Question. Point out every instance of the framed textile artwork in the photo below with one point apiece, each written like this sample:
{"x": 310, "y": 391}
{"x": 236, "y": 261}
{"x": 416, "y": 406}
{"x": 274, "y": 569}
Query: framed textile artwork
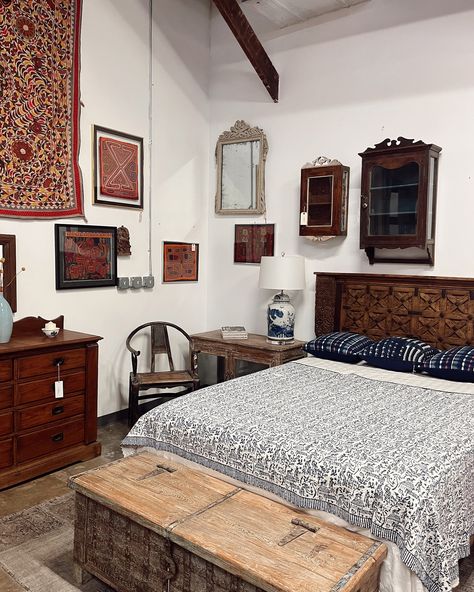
{"x": 118, "y": 168}
{"x": 252, "y": 241}
{"x": 39, "y": 109}
{"x": 180, "y": 262}
{"x": 86, "y": 256}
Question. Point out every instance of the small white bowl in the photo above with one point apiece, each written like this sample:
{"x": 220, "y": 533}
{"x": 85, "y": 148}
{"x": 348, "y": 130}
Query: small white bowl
{"x": 51, "y": 332}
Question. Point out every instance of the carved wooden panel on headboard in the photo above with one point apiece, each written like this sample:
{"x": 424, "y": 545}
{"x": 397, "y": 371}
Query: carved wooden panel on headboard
{"x": 437, "y": 310}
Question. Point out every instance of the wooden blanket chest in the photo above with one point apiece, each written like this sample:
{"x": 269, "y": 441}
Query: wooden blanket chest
{"x": 146, "y": 524}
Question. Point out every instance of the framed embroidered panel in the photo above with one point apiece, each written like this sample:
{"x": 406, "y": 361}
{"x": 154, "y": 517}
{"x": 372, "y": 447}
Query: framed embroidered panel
{"x": 180, "y": 262}
{"x": 117, "y": 168}
{"x": 253, "y": 241}
{"x": 86, "y": 256}
{"x": 39, "y": 109}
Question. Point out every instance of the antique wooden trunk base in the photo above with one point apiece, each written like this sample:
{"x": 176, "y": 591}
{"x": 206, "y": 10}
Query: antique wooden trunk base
{"x": 145, "y": 524}
{"x": 131, "y": 558}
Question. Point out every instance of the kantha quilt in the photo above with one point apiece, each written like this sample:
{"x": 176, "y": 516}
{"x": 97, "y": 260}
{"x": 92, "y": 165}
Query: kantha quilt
{"x": 392, "y": 458}
{"x": 39, "y": 109}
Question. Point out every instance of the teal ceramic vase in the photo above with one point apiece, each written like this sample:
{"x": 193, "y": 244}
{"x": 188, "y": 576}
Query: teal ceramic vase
{"x": 6, "y": 320}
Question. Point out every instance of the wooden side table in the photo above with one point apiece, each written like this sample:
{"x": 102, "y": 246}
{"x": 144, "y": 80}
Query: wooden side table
{"x": 254, "y": 349}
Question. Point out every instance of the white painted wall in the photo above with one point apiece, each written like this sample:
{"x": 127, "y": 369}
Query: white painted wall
{"x": 114, "y": 88}
{"x": 349, "y": 80}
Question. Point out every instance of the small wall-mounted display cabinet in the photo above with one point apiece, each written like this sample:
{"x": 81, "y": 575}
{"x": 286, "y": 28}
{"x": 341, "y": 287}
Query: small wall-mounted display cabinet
{"x": 398, "y": 201}
{"x": 324, "y": 197}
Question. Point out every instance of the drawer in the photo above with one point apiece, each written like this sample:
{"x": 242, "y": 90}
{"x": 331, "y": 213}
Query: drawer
{"x": 6, "y": 370}
{"x": 49, "y": 440}
{"x": 38, "y": 415}
{"x": 47, "y": 363}
{"x": 6, "y": 423}
{"x": 6, "y": 453}
{"x": 6, "y": 397}
{"x": 43, "y": 390}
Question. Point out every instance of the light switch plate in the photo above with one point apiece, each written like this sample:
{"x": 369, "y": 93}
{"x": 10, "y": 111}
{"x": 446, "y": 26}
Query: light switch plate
{"x": 123, "y": 283}
{"x": 148, "y": 281}
{"x": 135, "y": 282}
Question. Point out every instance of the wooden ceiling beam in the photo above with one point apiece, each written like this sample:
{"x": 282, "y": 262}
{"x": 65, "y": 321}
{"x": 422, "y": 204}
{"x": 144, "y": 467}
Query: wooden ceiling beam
{"x": 249, "y": 42}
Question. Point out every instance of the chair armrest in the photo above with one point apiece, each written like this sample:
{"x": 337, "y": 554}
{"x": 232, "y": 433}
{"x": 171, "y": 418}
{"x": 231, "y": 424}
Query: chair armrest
{"x": 135, "y": 353}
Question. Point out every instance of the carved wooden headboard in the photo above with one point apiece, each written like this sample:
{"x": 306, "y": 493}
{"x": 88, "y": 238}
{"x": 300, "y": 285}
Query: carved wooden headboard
{"x": 438, "y": 310}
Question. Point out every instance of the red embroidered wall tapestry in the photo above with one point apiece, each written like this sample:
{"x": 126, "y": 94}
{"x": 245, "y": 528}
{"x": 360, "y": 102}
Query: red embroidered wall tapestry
{"x": 39, "y": 108}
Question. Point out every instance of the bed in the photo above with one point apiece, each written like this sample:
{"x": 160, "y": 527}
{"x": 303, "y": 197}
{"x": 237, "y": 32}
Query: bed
{"x": 388, "y": 453}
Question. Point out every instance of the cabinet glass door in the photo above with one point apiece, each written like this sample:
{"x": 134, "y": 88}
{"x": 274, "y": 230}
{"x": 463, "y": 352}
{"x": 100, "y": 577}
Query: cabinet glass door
{"x": 319, "y": 204}
{"x": 393, "y": 200}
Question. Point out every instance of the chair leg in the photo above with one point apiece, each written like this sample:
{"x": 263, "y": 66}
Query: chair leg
{"x": 133, "y": 392}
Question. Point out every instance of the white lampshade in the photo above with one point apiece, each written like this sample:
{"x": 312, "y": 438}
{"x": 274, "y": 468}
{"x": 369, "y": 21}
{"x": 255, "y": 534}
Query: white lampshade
{"x": 282, "y": 273}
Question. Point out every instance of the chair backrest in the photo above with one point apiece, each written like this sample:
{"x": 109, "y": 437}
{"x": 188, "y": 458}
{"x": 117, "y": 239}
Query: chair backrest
{"x": 159, "y": 343}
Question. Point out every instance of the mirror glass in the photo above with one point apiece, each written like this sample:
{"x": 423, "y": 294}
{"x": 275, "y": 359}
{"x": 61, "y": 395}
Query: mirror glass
{"x": 8, "y": 252}
{"x": 240, "y": 155}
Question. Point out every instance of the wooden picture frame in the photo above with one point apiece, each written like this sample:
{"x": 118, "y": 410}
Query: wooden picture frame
{"x": 86, "y": 256}
{"x": 8, "y": 252}
{"x": 253, "y": 241}
{"x": 117, "y": 165}
{"x": 180, "y": 262}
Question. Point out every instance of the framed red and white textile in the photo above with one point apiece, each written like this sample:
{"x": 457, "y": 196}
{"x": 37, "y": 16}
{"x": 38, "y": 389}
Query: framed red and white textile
{"x": 180, "y": 262}
{"x": 252, "y": 241}
{"x": 118, "y": 168}
{"x": 39, "y": 109}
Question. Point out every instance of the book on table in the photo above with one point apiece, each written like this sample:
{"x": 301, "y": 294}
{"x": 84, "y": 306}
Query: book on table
{"x": 234, "y": 332}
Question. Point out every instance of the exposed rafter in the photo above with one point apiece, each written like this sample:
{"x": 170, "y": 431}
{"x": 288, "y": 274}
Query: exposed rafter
{"x": 250, "y": 43}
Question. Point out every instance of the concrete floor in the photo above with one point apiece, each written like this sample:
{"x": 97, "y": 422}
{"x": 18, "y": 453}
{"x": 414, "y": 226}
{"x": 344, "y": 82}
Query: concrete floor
{"x": 25, "y": 495}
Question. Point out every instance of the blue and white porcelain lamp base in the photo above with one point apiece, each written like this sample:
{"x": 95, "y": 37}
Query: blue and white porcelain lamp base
{"x": 281, "y": 319}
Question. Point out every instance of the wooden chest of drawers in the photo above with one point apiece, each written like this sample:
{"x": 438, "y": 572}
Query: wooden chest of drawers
{"x": 39, "y": 432}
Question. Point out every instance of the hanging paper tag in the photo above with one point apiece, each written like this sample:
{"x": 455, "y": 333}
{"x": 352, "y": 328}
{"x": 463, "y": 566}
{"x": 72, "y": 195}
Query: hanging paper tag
{"x": 58, "y": 389}
{"x": 193, "y": 247}
{"x": 304, "y": 219}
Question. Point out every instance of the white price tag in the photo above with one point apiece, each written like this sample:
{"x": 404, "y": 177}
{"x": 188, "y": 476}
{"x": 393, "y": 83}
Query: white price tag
{"x": 304, "y": 219}
{"x": 193, "y": 247}
{"x": 58, "y": 389}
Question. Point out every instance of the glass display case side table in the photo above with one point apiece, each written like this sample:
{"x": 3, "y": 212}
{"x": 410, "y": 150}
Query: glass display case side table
{"x": 398, "y": 201}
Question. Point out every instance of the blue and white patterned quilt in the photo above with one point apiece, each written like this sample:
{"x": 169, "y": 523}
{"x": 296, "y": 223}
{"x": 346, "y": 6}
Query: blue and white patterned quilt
{"x": 396, "y": 459}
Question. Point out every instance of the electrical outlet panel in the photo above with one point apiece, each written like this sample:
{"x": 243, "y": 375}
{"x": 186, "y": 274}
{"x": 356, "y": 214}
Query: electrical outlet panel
{"x": 135, "y": 282}
{"x": 123, "y": 283}
{"x": 148, "y": 281}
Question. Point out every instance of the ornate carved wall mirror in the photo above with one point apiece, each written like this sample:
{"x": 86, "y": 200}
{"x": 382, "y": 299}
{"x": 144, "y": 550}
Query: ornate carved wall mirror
{"x": 8, "y": 252}
{"x": 240, "y": 156}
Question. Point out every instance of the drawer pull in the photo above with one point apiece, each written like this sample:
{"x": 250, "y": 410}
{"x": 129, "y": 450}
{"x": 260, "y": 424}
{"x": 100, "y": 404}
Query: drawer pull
{"x": 58, "y": 437}
{"x": 57, "y": 410}
{"x": 58, "y": 362}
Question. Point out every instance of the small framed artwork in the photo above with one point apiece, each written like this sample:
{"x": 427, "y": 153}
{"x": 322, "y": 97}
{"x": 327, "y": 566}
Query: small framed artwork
{"x": 252, "y": 241}
{"x": 117, "y": 168}
{"x": 86, "y": 256}
{"x": 180, "y": 262}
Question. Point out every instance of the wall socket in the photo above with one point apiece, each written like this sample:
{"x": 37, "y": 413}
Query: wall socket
{"x": 123, "y": 283}
{"x": 148, "y": 281}
{"x": 135, "y": 282}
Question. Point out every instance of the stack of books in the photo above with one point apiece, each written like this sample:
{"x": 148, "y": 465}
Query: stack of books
{"x": 237, "y": 332}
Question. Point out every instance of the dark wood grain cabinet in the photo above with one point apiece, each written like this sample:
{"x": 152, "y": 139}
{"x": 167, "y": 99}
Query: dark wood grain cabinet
{"x": 324, "y": 199}
{"x": 39, "y": 432}
{"x": 398, "y": 201}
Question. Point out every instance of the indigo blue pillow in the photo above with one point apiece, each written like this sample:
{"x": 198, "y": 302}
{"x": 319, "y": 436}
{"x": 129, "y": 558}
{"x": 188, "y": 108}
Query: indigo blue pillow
{"x": 342, "y": 346}
{"x": 456, "y": 363}
{"x": 403, "y": 354}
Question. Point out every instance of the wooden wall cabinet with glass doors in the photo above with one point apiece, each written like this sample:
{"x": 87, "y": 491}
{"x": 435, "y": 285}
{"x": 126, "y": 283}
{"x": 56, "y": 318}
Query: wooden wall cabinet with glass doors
{"x": 324, "y": 197}
{"x": 398, "y": 201}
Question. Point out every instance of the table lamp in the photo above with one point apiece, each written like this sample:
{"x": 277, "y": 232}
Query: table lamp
{"x": 281, "y": 273}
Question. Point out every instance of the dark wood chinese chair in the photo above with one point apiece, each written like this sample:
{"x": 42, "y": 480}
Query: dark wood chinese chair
{"x": 159, "y": 343}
